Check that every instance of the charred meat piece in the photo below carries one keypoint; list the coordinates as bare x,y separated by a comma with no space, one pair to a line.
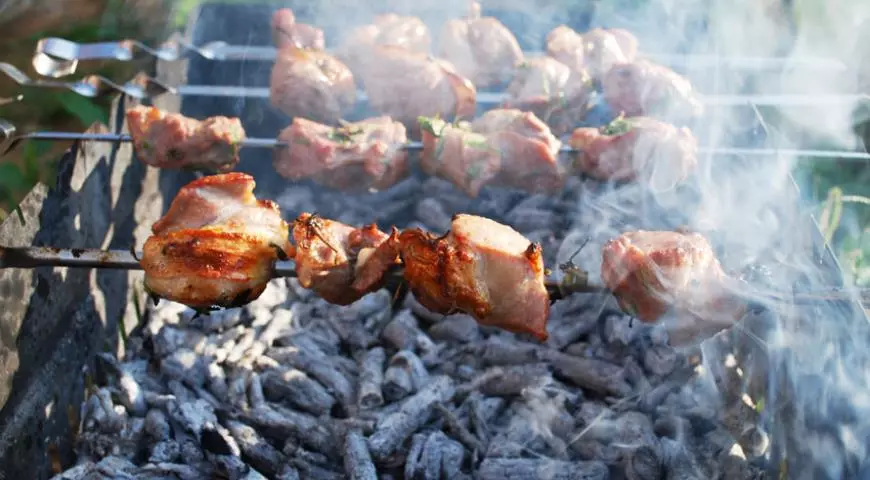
217,244
329,254
529,150
653,272
596,51
644,88
171,140
406,85
554,92
409,33
286,32
659,153
481,268
454,152
356,156
311,84
481,48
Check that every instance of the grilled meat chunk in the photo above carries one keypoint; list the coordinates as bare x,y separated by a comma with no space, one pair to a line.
217,244
171,140
406,85
658,153
286,32
457,154
645,88
329,254
529,151
481,48
409,33
654,272
311,84
596,51
356,156
481,268
554,92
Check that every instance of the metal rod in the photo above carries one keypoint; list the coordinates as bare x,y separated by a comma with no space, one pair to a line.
57,57
416,146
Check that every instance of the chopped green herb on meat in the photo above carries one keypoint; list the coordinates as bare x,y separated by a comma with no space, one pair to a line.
618,126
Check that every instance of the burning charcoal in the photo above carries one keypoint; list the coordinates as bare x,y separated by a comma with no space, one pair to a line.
255,450
531,469
510,380
432,214
405,375
185,366
171,338
590,374
679,463
298,389
218,440
167,451
256,397
498,351
643,463
413,414
371,378
458,430
324,368
157,425
279,422
455,328
401,333
660,360
357,460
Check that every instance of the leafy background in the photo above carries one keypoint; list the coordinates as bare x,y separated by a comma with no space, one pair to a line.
839,188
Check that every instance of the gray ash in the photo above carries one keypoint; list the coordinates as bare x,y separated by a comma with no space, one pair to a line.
293,387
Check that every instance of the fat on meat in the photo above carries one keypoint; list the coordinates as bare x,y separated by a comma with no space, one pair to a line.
407,32
637,148
529,151
481,48
645,88
454,152
556,93
406,85
286,32
356,156
330,255
595,51
481,268
311,84
171,140
217,244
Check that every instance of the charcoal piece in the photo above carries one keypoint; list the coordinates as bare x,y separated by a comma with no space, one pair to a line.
679,463
185,365
158,400
157,425
660,360
673,427
402,331
543,469
323,368
170,339
218,440
181,392
288,472
590,374
256,397
458,430
620,330
173,471
357,460
510,380
405,375
280,422
352,331
166,451
432,214
452,457
130,392
570,328
413,414
193,416
237,392
295,388
256,450
110,420
481,411
233,468
525,219
432,456
498,351
217,381
371,379
414,459
594,450
455,328
311,464
644,463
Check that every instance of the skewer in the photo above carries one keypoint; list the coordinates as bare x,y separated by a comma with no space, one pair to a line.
142,87
58,57
9,139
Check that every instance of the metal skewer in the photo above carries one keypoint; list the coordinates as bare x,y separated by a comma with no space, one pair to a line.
8,138
58,57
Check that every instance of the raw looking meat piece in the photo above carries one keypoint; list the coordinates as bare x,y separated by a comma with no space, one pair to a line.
595,51
286,32
311,84
644,88
406,32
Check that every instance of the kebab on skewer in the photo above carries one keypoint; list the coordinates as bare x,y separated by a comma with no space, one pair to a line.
641,87
287,32
311,84
407,32
595,51
481,48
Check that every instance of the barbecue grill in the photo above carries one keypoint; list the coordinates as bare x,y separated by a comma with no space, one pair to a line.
106,199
